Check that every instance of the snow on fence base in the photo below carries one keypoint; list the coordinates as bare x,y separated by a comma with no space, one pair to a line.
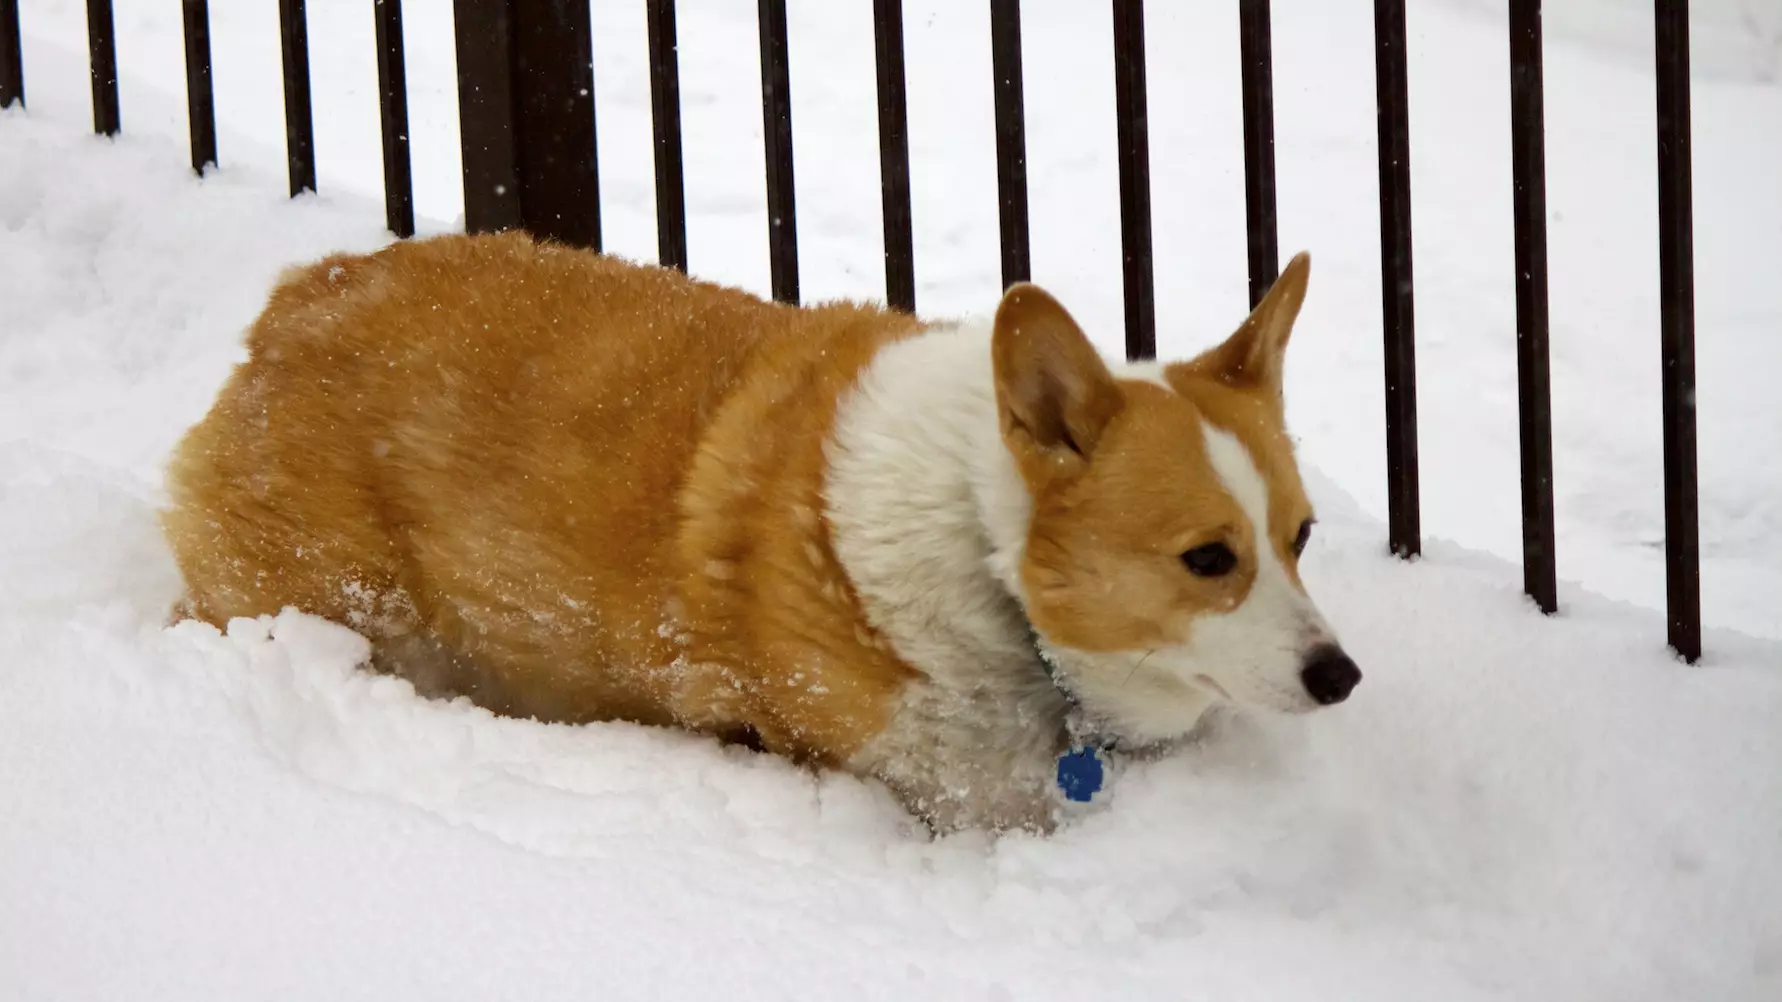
528,137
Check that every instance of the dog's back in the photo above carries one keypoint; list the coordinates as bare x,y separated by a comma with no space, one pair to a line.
561,484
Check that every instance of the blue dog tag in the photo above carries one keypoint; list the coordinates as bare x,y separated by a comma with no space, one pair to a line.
1080,773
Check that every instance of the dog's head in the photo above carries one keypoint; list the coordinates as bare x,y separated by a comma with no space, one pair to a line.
1162,559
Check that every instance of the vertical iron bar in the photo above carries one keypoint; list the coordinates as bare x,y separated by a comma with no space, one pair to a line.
483,33
1011,139
1405,531
300,139
553,102
392,86
201,114
1255,48
12,58
1131,125
894,156
665,116
1528,163
102,64
1676,278
776,113
526,118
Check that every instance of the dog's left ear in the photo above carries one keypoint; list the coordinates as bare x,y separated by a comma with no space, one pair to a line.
1256,355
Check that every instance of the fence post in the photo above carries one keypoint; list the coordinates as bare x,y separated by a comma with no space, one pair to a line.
1011,139
1404,528
12,60
300,138
1528,163
894,155
201,114
1676,283
526,118
665,121
483,31
1131,128
776,113
392,104
102,65
1256,50
554,112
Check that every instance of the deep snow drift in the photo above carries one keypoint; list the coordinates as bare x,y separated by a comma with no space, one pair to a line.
1511,807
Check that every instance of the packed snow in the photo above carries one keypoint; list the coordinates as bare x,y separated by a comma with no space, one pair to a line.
1511,807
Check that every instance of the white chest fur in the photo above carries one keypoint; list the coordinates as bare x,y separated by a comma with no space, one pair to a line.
929,517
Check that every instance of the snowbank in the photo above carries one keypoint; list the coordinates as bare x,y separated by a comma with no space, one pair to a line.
1511,807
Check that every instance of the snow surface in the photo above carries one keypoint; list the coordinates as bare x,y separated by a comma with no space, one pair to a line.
1511,807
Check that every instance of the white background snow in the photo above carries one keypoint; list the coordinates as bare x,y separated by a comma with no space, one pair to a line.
1511,806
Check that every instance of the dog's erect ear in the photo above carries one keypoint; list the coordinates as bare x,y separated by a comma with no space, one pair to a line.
1256,355
1053,391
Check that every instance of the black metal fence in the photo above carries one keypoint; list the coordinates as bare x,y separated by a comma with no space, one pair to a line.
526,107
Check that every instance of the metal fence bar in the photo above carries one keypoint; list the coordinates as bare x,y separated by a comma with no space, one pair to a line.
1135,179
776,114
553,90
1528,164
392,92
1011,140
483,32
665,117
201,113
1404,529
12,59
894,156
102,64
1255,47
1676,279
300,137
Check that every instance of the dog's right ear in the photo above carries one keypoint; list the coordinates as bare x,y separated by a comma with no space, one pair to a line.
1054,394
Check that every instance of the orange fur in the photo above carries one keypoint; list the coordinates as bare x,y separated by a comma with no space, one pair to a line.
1120,491
578,489
509,464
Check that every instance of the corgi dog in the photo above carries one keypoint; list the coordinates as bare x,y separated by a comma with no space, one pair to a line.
938,554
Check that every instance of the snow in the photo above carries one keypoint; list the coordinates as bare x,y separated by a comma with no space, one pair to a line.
1511,806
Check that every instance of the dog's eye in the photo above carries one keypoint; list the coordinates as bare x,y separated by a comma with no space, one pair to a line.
1304,537
1210,561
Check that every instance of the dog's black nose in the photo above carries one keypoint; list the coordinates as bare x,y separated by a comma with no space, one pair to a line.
1329,675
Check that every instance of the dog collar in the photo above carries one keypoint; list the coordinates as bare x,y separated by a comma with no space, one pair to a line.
1082,769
